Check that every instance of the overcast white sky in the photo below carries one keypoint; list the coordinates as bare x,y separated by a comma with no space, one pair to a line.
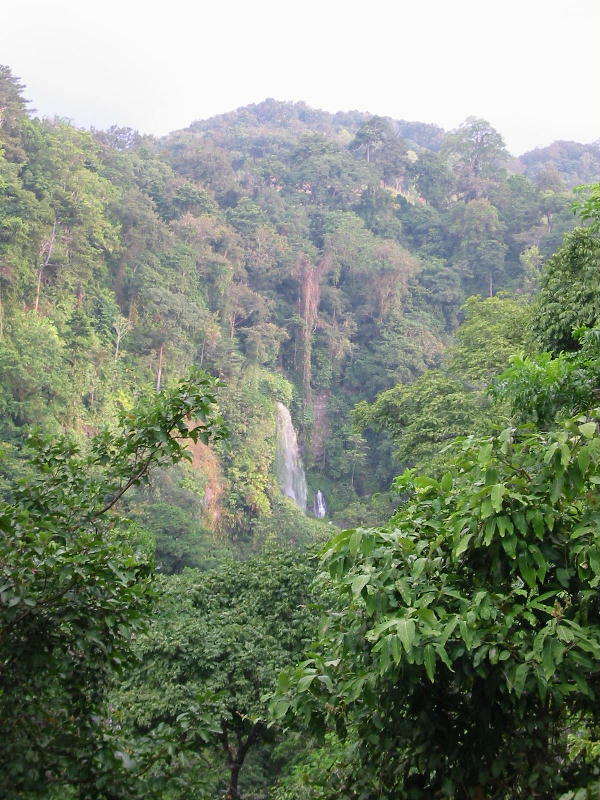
530,67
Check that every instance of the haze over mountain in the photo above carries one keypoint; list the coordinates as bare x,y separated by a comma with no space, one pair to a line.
529,68
576,162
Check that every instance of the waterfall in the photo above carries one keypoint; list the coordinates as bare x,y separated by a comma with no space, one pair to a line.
319,505
287,461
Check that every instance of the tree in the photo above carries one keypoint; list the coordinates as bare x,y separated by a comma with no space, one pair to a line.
74,588
13,112
33,364
461,657
481,250
541,388
323,173
263,342
423,417
433,178
569,295
476,152
371,136
219,639
493,330
121,327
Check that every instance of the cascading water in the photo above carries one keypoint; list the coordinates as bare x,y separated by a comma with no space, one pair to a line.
287,459
319,505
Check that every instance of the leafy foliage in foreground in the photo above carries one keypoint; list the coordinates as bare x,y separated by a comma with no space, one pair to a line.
74,588
464,651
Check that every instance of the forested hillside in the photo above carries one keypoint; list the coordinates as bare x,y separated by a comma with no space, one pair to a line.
312,258
399,288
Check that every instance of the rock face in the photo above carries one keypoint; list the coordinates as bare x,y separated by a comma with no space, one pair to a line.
206,462
288,462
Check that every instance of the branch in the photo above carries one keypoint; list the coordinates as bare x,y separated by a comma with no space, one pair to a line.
133,479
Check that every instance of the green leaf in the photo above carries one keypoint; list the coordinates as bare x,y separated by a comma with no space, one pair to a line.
563,576
395,648
588,429
429,661
527,570
467,633
279,707
509,543
565,634
521,673
584,458
441,651
550,452
326,680
490,528
462,545
406,633
497,493
418,566
565,455
449,629
376,632
505,525
402,586
354,542
359,583
446,482
484,453
548,659
557,488
486,509
538,524
305,682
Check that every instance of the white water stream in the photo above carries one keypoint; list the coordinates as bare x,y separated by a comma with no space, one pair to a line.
288,462
319,505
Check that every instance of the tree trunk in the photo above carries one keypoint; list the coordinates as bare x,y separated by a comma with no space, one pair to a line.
236,757
232,791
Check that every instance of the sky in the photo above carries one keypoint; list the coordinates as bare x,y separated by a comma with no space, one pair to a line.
530,67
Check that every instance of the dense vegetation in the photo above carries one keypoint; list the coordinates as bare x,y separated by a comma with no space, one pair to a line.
425,304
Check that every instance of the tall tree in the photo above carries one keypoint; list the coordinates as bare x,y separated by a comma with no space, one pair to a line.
476,152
